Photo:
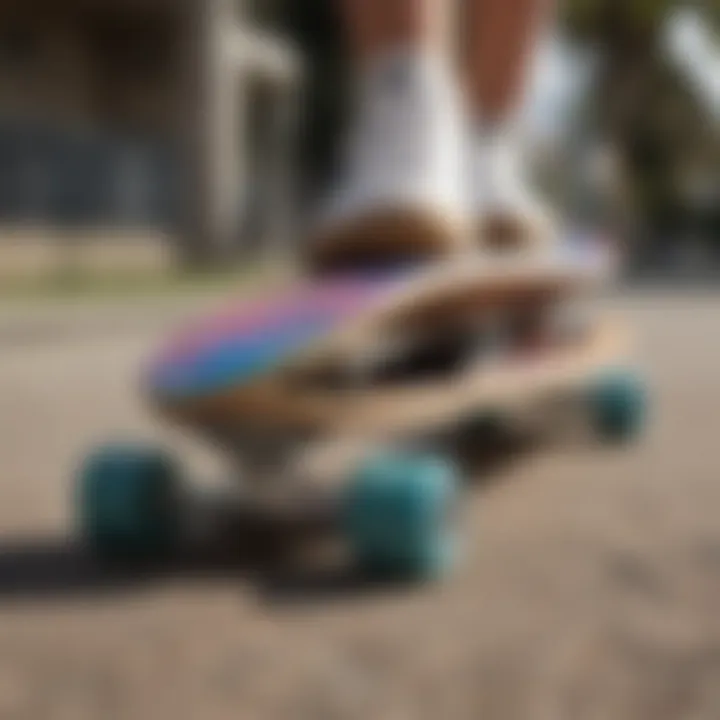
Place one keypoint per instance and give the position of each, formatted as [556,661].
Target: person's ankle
[403,150]
[501,185]
[495,159]
[405,67]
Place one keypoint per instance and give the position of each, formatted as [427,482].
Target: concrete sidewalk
[23,323]
[38,321]
[590,584]
[28,319]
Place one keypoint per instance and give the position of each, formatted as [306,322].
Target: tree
[642,103]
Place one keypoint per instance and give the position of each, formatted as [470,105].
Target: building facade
[171,114]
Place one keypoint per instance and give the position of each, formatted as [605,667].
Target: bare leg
[400,194]
[503,40]
[378,25]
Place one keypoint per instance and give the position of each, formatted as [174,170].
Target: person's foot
[509,215]
[401,194]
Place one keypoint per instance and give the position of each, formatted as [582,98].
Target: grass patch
[128,285]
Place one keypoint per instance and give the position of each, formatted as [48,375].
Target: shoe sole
[387,237]
[508,233]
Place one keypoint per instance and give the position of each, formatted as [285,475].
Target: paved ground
[591,588]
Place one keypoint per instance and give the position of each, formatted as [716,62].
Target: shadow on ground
[48,568]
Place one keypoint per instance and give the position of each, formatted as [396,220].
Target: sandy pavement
[590,591]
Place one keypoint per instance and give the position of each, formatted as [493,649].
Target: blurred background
[146,143]
[146,135]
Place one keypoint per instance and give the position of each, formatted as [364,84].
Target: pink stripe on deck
[225,322]
[338,298]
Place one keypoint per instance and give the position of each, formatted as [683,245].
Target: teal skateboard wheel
[619,405]
[398,516]
[128,502]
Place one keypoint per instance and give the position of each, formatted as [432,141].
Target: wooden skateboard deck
[339,316]
[276,404]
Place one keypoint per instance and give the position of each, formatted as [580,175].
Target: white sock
[405,143]
[498,178]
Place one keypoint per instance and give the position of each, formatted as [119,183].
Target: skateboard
[338,400]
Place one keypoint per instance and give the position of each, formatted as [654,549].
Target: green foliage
[642,104]
[600,18]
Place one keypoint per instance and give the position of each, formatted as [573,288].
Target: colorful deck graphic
[255,335]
